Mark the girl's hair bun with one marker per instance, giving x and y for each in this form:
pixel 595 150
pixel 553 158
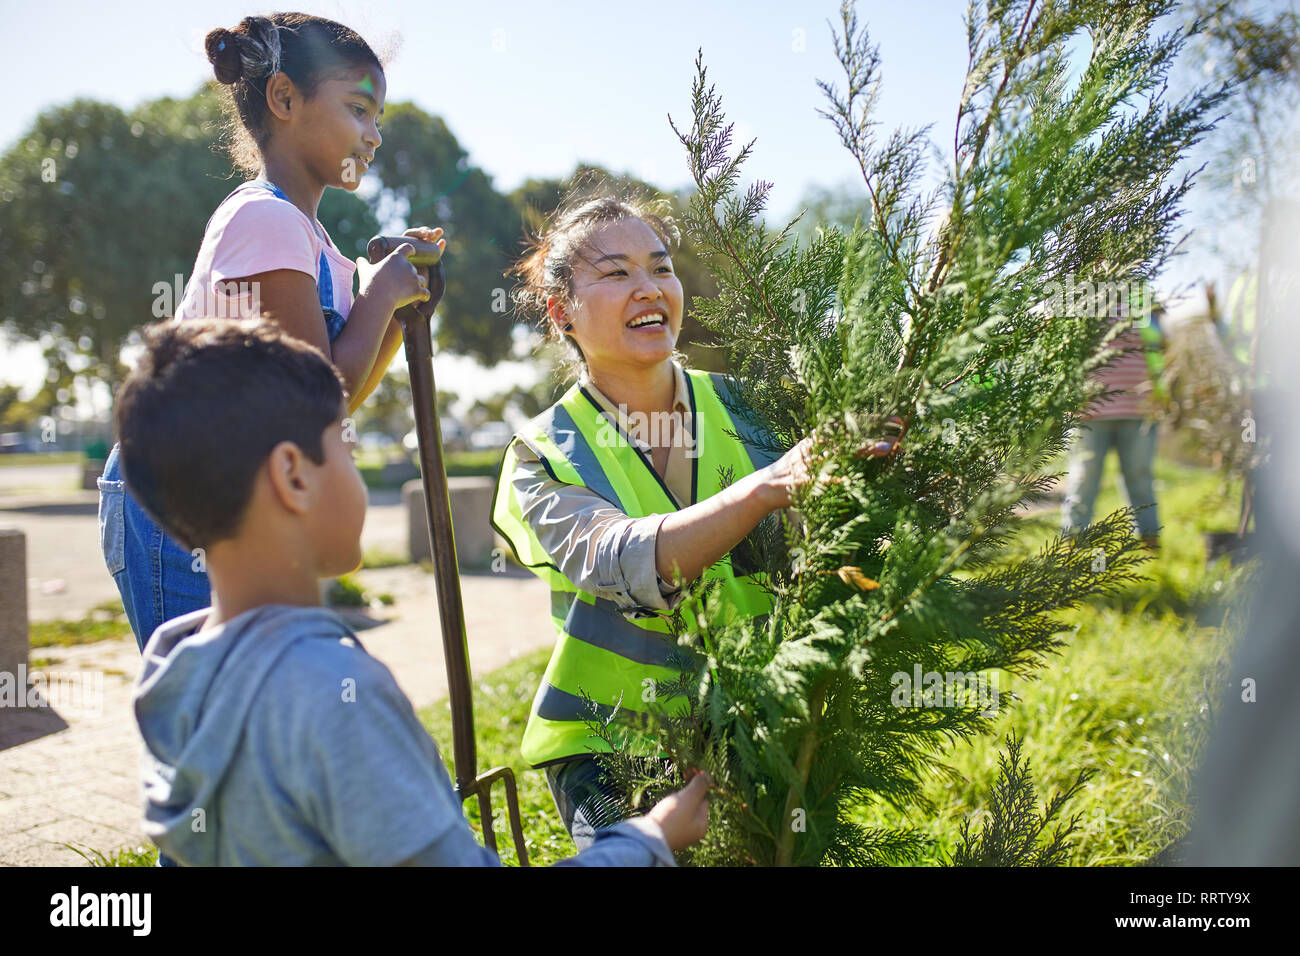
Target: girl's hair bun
pixel 250 51
pixel 223 53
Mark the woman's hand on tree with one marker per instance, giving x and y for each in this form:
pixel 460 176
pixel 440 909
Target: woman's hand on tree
pixel 800 465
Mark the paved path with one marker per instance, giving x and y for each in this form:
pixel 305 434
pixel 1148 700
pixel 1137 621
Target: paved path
pixel 69 772
pixel 19 479
pixel 66 576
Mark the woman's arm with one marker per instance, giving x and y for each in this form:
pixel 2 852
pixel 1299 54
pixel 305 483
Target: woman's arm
pixel 622 559
pixel 592 543
pixel 693 539
pixel 603 551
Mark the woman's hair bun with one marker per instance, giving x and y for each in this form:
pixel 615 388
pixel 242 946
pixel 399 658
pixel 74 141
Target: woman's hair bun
pixel 250 51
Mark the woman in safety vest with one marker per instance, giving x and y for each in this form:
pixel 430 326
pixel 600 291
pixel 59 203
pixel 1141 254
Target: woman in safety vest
pixel 613 496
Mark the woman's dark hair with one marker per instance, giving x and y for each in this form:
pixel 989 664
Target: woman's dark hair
pixel 202 410
pixel 305 48
pixel 546 267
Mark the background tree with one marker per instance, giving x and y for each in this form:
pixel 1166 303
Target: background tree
pixel 1250 160
pixel 49 402
pixel 843 205
pixel 100 210
pixel 388 410
pixel 1253 47
pixel 945 310
pixel 428 179
pixel 531 402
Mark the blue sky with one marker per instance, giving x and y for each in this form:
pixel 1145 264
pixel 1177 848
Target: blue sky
pixel 531 88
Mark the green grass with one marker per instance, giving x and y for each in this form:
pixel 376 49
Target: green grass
pixel 105 621
pixel 468 463
pixel 1128 697
pixel 373 476
pixel 123 856
pixel 26 459
pixel 502 700
pixel 379 558
pixel 457 464
pixel 1131 694
pixel 348 592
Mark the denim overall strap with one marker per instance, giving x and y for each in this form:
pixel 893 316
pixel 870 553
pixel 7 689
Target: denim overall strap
pixel 334 320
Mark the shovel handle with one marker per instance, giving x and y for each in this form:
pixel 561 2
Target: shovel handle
pixel 426 253
pixel 417 338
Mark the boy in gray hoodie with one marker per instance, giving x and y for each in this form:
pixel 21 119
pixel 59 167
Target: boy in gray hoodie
pixel 272 737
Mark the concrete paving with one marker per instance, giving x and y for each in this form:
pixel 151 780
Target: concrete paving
pixel 66 576
pixel 69 771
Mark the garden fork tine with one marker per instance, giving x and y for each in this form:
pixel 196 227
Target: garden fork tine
pixel 414 320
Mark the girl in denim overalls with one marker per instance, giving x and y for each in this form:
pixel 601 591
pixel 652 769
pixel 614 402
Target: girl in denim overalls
pixel 308 93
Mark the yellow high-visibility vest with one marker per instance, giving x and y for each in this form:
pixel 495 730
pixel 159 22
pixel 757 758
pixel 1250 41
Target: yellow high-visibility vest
pixel 1238 330
pixel 617 658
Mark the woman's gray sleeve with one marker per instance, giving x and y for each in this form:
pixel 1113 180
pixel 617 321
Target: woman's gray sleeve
pixel 594 544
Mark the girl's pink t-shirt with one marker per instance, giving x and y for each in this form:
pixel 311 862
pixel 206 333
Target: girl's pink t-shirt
pixel 254 231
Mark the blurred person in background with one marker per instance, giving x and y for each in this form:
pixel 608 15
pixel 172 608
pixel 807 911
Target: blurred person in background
pixel 1123 421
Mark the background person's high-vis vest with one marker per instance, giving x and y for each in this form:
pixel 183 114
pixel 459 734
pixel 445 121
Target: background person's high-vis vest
pixel 600 651
pixel 1237 327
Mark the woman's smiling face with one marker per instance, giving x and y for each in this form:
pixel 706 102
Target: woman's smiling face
pixel 626 304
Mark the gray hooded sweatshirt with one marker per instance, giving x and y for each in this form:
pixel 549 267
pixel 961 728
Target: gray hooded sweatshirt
pixel 276 739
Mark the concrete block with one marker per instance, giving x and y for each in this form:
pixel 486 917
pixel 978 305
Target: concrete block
pixel 13 600
pixel 471 513
pixel 91 471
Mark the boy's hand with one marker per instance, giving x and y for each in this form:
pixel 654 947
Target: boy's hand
pixel 684 815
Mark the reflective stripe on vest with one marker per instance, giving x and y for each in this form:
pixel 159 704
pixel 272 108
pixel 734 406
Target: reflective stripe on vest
pixel 619 658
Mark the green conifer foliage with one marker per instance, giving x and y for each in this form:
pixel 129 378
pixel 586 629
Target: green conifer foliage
pixel 946 310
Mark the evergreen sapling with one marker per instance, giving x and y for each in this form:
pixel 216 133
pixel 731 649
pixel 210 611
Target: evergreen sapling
pixel 944 309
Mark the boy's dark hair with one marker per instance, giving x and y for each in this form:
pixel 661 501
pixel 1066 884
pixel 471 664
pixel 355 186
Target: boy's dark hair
pixel 304 47
pixel 202 410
